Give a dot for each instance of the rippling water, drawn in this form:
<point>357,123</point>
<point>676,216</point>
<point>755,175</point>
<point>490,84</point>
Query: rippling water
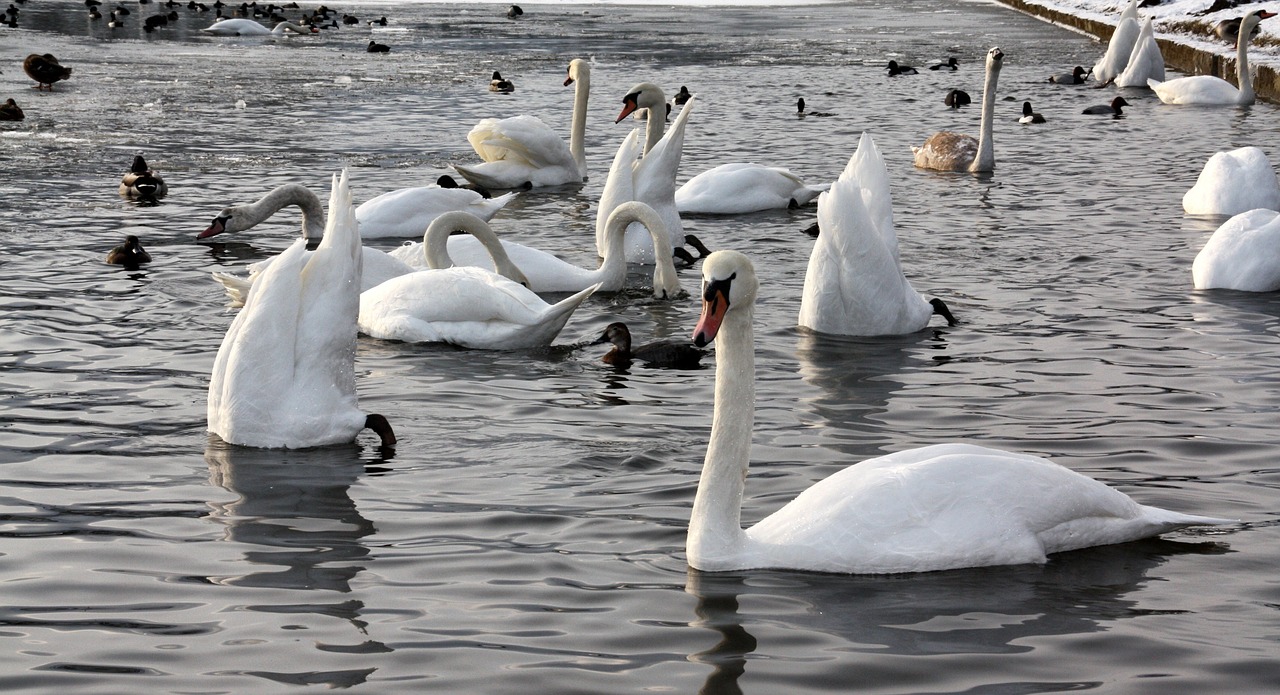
<point>527,537</point>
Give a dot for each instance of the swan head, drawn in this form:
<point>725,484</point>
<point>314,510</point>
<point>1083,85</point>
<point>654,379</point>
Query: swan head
<point>995,59</point>
<point>728,284</point>
<point>645,95</point>
<point>579,69</point>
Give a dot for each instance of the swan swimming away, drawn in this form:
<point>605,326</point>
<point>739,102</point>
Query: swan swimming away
<point>732,189</point>
<point>939,507</point>
<point>1243,254</point>
<point>1234,182</point>
<point>547,273</point>
<point>399,213</point>
<point>1214,91</point>
<point>524,150</point>
<point>650,179</point>
<point>1119,47</point>
<point>1146,62</point>
<point>854,283</point>
<point>248,27</point>
<point>284,376</point>
<point>948,151</point>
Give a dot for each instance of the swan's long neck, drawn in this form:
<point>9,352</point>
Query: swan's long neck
<point>1244,78</point>
<point>986,159</point>
<point>578,127</point>
<point>435,244</point>
<point>313,218</point>
<point>613,270</point>
<point>715,525</point>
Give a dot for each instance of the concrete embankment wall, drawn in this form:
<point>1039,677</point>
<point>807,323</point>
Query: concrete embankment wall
<point>1179,56</point>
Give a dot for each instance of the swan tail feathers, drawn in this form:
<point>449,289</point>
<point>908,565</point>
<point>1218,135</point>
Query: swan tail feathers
<point>236,287</point>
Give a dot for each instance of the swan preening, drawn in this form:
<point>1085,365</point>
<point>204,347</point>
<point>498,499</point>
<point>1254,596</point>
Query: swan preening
<point>854,284</point>
<point>544,272</point>
<point>284,376</point>
<point>400,213</point>
<point>1215,91</point>
<point>948,151</point>
<point>939,507</point>
<point>1234,182</point>
<point>1243,254</point>
<point>650,179</point>
<point>523,150</point>
<point>248,27</point>
<point>731,189</point>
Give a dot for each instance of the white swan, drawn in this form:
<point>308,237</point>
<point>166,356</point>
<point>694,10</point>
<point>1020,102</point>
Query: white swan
<point>403,212</point>
<point>1146,62</point>
<point>1234,182</point>
<point>524,150</point>
<point>284,376</point>
<point>854,284</point>
<point>650,179</point>
<point>934,508</point>
<point>547,273</point>
<point>948,151</point>
<point>469,307</point>
<point>1215,91</point>
<point>1120,46</point>
<point>248,27</point>
<point>1243,254</point>
<point>730,189</point>
<point>380,266</point>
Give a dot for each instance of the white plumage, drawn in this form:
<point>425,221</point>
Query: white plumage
<point>1243,254</point>
<point>1233,182</point>
<point>736,188</point>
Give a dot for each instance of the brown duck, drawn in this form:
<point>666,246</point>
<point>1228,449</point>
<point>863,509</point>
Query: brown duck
<point>664,353</point>
<point>45,70</point>
<point>130,254</point>
<point>9,111</point>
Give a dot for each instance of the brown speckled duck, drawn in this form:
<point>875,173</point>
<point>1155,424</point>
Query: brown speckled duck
<point>45,70</point>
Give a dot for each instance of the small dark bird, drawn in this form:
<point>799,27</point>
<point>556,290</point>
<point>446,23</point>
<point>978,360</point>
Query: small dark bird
<point>9,111</point>
<point>951,63</point>
<point>957,98</point>
<point>664,353</point>
<point>1112,109</point>
<point>381,21</point>
<point>514,12</point>
<point>895,69</point>
<point>682,96</point>
<point>120,11</point>
<point>802,113</point>
<point>140,183</point>
<point>447,181</point>
<point>375,47</point>
<point>497,84</point>
<point>45,70</point>
<point>94,13</point>
<point>130,254</point>
<point>1076,76</point>
<point>1029,116</point>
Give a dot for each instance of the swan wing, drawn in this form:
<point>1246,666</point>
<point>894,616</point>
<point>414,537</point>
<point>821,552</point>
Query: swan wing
<point>1241,254</point>
<point>409,211</point>
<point>1233,182</point>
<point>950,506</point>
<point>1146,62</point>
<point>544,271</point>
<point>619,187</point>
<point>868,169</point>
<point>742,187</point>
<point>517,150</point>
<point>1196,89</point>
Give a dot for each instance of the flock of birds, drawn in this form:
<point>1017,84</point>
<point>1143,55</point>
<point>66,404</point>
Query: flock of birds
<point>284,374</point>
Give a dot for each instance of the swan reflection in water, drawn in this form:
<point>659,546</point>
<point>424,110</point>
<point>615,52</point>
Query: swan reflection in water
<point>980,611</point>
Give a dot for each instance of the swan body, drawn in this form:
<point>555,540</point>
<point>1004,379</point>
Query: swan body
<point>464,306</point>
<point>1234,182</point>
<point>1243,254</point>
<point>547,273</point>
<point>248,27</point>
<point>948,151</point>
<point>854,284</point>
<point>1146,62</point>
<point>1119,48</point>
<point>1214,91</point>
<point>731,189</point>
<point>284,376</point>
<point>934,508</point>
<point>650,179</point>
<point>404,212</point>
<point>524,150</point>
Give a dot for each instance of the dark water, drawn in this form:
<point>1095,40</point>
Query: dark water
<point>527,537</point>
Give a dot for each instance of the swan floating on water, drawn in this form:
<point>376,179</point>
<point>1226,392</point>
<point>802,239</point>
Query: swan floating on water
<point>1243,254</point>
<point>1146,62</point>
<point>939,507</point>
<point>1119,47</point>
<point>948,151</point>
<point>1214,91</point>
<point>737,188</point>
<point>284,376</point>
<point>1234,182</point>
<point>248,27</point>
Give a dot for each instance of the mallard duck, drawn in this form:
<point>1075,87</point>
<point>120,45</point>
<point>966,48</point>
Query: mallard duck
<point>44,69</point>
<point>497,84</point>
<point>9,111</point>
<point>140,183</point>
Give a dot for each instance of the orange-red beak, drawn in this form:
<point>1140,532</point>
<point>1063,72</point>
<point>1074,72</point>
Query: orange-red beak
<point>628,105</point>
<point>714,305</point>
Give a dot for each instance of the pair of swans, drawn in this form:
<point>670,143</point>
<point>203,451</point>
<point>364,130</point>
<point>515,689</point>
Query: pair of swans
<point>948,151</point>
<point>1234,182</point>
<point>1120,46</point>
<point>650,179</point>
<point>248,27</point>
<point>524,150</point>
<point>736,188</point>
<point>1146,62</point>
<point>1215,91</point>
<point>284,375</point>
<point>854,284</point>
<point>934,508</point>
<point>400,213</point>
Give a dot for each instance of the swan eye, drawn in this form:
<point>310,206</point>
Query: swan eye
<point>712,288</point>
